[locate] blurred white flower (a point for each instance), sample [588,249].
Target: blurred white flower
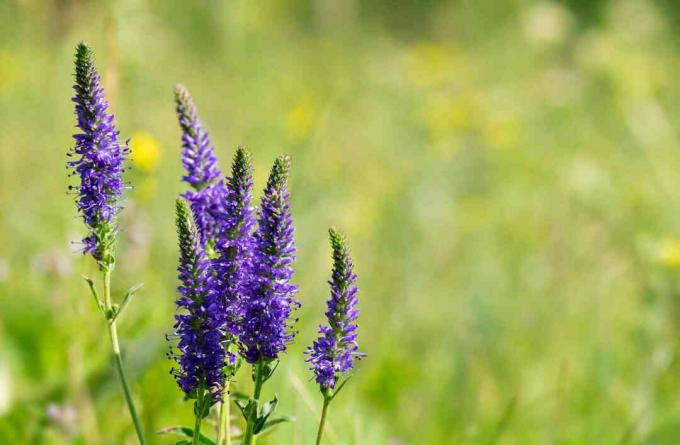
[5,388]
[547,24]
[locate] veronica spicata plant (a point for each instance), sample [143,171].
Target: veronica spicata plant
[98,159]
[199,352]
[266,325]
[333,354]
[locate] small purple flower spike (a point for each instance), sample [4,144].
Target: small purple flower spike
[99,159]
[334,351]
[200,163]
[265,329]
[234,244]
[199,351]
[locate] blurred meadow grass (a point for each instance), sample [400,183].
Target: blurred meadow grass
[508,174]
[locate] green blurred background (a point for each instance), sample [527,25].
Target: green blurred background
[508,173]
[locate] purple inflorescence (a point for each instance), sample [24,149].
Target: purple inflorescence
[200,163]
[265,328]
[99,160]
[335,349]
[199,353]
[234,243]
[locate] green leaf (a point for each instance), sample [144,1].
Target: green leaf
[93,290]
[269,369]
[271,424]
[342,385]
[185,431]
[244,407]
[126,300]
[267,409]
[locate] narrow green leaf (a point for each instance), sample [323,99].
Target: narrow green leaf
[342,385]
[267,409]
[185,431]
[244,407]
[271,424]
[126,300]
[93,290]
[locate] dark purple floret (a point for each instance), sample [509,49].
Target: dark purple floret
[234,242]
[198,327]
[99,159]
[266,327]
[334,351]
[200,163]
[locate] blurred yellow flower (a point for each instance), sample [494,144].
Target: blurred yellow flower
[547,23]
[8,69]
[502,134]
[669,252]
[146,152]
[431,64]
[300,121]
[444,115]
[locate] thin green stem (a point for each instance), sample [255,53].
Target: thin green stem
[196,440]
[322,422]
[113,333]
[224,429]
[249,438]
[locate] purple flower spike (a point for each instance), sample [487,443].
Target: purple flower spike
[99,159]
[198,327]
[200,163]
[267,308]
[335,350]
[234,243]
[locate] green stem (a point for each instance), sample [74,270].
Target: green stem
[322,422]
[113,333]
[196,440]
[224,430]
[249,438]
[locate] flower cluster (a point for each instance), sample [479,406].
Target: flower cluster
[265,326]
[334,352]
[199,327]
[99,159]
[200,163]
[236,270]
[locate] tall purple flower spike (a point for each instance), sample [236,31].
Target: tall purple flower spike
[98,159]
[198,327]
[200,163]
[266,326]
[334,351]
[234,244]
